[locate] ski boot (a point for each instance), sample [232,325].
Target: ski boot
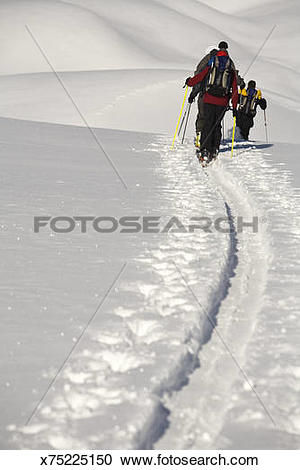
[204,157]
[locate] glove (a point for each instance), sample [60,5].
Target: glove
[262,103]
[234,112]
[191,98]
[186,82]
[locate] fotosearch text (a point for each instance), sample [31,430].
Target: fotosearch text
[144,224]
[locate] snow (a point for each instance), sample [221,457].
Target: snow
[154,56]
[273,276]
[195,345]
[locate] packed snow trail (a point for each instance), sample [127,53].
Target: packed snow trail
[221,360]
[260,421]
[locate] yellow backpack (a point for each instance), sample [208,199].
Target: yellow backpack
[248,100]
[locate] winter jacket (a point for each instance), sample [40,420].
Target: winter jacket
[250,106]
[217,100]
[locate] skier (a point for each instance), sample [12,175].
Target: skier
[199,89]
[249,99]
[219,79]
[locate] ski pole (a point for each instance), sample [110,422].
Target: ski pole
[233,132]
[266,126]
[182,121]
[186,122]
[184,98]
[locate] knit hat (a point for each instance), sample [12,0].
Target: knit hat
[223,45]
[251,84]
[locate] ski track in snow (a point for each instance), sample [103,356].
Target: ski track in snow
[134,387]
[263,419]
[235,319]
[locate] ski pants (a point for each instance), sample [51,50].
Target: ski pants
[200,116]
[244,122]
[212,129]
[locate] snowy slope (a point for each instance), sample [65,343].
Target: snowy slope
[176,355]
[98,46]
[145,341]
[141,100]
[169,36]
[67,276]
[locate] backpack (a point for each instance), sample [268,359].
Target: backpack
[248,101]
[219,79]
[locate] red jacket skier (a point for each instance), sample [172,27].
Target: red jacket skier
[221,85]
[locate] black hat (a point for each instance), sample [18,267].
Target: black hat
[251,84]
[223,45]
